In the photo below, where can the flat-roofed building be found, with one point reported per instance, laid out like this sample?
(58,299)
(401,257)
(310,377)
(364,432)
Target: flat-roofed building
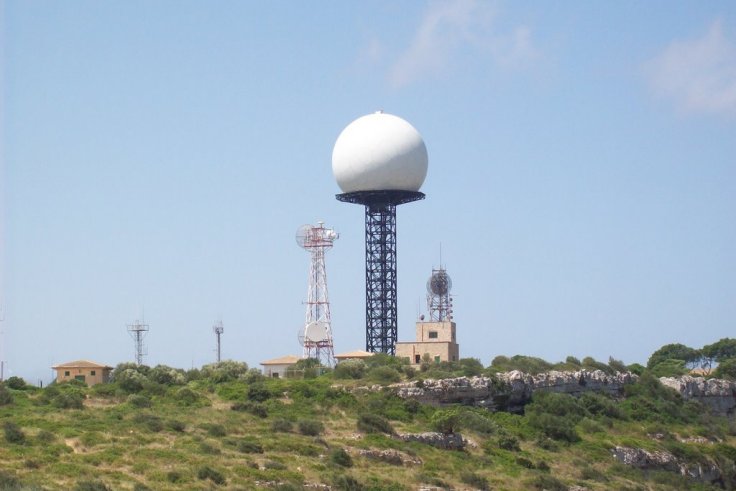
(437,339)
(277,367)
(89,372)
(353,355)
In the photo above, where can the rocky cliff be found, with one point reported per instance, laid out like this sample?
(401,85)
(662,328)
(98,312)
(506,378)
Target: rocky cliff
(718,395)
(512,390)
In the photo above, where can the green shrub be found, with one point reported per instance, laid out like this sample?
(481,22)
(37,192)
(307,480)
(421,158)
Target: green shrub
(209,449)
(478,421)
(224,371)
(214,429)
(13,433)
(139,401)
(164,375)
(526,364)
(258,392)
(349,369)
(150,422)
(670,368)
(446,421)
(374,423)
(508,442)
(69,399)
(130,380)
(91,486)
(5,396)
(600,405)
(310,427)
(648,400)
(207,472)
(726,369)
(281,425)
(547,483)
(188,397)
(9,482)
(524,462)
(344,482)
(475,480)
(174,477)
(384,375)
(254,408)
(45,437)
(555,415)
(340,457)
(249,446)
(176,425)
(274,465)
(592,474)
(15,383)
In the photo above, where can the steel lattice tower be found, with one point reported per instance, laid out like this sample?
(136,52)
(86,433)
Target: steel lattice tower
(138,331)
(316,335)
(380,264)
(439,299)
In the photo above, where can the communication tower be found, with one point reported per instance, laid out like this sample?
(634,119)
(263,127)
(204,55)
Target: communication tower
(439,299)
(218,329)
(138,331)
(380,161)
(316,335)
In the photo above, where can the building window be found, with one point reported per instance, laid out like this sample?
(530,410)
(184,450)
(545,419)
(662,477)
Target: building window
(432,334)
(66,373)
(92,373)
(79,377)
(417,359)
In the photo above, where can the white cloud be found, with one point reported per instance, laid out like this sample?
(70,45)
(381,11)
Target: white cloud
(699,75)
(447,28)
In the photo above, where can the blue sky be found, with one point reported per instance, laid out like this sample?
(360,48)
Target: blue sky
(159,157)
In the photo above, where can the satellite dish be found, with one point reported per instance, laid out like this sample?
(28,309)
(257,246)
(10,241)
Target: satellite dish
(302,235)
(316,332)
(439,283)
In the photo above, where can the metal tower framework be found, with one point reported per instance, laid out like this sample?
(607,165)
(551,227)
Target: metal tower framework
(381,303)
(316,335)
(218,329)
(138,331)
(439,299)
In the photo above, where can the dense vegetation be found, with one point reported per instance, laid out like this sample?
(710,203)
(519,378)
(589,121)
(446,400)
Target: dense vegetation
(225,426)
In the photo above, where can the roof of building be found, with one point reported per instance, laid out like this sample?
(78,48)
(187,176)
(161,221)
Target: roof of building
(354,354)
(81,364)
(284,360)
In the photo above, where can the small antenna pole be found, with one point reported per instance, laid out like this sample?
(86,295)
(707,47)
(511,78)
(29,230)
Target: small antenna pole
(218,329)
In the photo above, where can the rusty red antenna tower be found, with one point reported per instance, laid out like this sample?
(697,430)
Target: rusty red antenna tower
(316,335)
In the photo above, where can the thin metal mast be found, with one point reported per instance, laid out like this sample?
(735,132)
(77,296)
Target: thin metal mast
(218,330)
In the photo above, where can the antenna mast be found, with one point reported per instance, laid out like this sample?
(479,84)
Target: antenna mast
(138,331)
(218,330)
(439,300)
(316,335)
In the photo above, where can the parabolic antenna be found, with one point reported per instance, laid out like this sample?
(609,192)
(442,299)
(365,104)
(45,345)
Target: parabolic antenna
(439,283)
(302,235)
(314,332)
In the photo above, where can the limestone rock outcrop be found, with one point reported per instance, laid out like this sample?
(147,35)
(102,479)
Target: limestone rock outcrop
(444,441)
(716,394)
(510,391)
(662,460)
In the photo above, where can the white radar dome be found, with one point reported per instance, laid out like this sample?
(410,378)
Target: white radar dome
(379,152)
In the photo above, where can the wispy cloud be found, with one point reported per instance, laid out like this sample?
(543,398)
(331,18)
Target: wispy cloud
(699,75)
(449,27)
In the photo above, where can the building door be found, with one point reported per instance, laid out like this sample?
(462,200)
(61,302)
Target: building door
(81,378)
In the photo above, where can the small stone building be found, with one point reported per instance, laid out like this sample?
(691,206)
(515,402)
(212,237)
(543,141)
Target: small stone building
(90,372)
(277,367)
(436,339)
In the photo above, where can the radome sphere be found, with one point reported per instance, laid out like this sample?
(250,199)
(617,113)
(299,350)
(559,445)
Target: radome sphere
(379,152)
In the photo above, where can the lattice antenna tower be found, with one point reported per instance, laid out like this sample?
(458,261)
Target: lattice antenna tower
(218,329)
(439,299)
(138,331)
(380,162)
(316,335)
(2,346)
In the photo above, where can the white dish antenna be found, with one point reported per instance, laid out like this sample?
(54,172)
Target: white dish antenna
(313,333)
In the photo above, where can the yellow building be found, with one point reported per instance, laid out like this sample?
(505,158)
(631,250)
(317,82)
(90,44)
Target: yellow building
(435,339)
(87,371)
(353,355)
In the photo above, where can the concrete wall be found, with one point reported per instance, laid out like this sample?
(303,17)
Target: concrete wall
(442,332)
(276,371)
(445,351)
